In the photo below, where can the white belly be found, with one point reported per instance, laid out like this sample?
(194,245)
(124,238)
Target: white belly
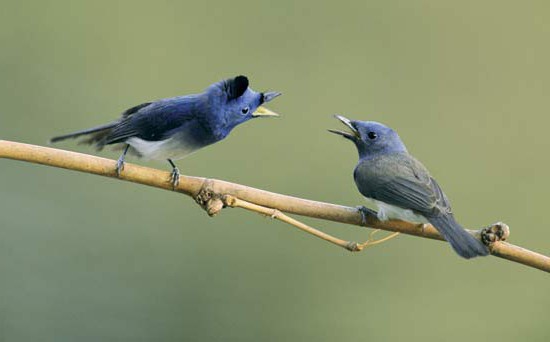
(161,150)
(391,212)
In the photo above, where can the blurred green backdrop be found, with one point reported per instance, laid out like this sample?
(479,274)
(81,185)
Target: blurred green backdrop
(84,258)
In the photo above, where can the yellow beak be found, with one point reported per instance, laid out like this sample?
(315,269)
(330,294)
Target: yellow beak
(264,112)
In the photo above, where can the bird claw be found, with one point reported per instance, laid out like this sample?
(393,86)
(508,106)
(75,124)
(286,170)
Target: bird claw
(175,177)
(119,166)
(365,212)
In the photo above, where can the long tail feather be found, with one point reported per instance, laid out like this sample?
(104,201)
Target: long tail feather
(97,134)
(462,242)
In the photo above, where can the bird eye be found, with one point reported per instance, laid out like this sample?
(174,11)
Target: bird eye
(245,110)
(372,135)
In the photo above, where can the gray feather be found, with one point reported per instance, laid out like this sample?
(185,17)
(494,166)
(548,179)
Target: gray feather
(399,179)
(462,242)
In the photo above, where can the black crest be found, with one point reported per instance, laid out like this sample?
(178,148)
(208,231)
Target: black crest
(235,87)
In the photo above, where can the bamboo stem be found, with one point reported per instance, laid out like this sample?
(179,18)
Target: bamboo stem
(208,192)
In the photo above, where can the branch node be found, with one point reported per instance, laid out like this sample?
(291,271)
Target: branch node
(209,200)
(353,246)
(229,201)
(496,232)
(275,214)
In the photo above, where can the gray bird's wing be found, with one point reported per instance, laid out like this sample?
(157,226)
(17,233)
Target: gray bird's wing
(401,180)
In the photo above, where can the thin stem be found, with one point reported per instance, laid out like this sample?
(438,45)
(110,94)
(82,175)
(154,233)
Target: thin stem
(372,242)
(234,202)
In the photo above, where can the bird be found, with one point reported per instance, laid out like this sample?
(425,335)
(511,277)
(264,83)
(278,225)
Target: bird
(400,187)
(172,128)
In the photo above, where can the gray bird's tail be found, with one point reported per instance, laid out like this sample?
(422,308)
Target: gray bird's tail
(462,242)
(96,135)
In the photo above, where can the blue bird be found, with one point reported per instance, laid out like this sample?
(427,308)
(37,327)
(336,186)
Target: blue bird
(172,128)
(400,187)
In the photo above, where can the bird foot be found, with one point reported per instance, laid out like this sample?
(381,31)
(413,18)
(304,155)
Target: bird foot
(119,166)
(365,212)
(175,177)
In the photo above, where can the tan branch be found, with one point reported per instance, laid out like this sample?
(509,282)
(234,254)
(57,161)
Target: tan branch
(209,193)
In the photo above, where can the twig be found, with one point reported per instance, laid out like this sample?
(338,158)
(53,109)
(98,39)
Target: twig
(208,192)
(233,202)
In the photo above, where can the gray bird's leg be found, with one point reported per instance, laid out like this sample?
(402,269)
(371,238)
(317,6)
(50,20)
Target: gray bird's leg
(366,212)
(175,176)
(120,161)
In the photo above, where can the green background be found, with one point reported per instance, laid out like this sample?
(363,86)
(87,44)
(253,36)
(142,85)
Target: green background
(85,258)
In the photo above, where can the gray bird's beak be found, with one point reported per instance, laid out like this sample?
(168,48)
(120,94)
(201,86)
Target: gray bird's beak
(264,112)
(270,95)
(353,135)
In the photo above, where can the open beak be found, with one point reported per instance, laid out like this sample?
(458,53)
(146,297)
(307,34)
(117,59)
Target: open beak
(353,135)
(264,112)
(270,95)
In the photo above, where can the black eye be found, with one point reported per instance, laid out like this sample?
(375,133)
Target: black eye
(244,110)
(372,135)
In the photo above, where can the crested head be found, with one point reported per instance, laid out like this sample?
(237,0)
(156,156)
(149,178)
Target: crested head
(232,102)
(371,138)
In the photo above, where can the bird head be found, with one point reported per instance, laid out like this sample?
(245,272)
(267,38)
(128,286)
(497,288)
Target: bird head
(371,138)
(233,103)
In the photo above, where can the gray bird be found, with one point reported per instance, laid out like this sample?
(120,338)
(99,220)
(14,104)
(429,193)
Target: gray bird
(400,187)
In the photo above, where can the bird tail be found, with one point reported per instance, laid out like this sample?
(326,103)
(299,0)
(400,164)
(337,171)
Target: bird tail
(96,135)
(466,245)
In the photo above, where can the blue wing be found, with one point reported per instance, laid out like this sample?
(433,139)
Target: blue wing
(152,121)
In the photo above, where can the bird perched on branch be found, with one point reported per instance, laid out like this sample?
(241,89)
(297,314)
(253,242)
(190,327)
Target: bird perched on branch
(172,128)
(400,187)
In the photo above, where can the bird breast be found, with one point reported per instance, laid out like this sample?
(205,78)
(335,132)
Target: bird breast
(171,148)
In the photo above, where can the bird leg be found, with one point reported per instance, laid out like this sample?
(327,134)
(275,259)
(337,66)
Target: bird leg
(120,161)
(175,175)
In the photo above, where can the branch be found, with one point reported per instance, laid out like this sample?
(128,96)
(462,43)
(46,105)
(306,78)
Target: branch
(213,195)
(233,202)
